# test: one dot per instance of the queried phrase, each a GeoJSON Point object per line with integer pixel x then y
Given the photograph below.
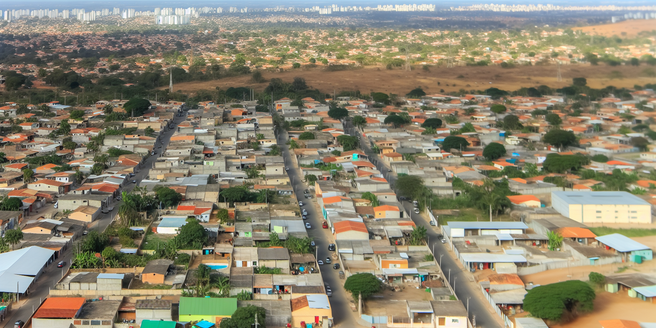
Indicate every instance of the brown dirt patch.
{"type": "Point", "coordinates": [630, 27]}
{"type": "Point", "coordinates": [400, 82]}
{"type": "Point", "coordinates": [613, 306]}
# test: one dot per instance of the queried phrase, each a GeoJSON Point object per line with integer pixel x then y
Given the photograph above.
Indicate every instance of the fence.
{"type": "Point", "coordinates": [496, 308]}
{"type": "Point", "coordinates": [565, 264]}
{"type": "Point", "coordinates": [374, 319]}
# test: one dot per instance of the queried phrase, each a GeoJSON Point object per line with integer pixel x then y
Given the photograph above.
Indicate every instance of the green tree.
{"type": "Point", "coordinates": [28, 174]}
{"type": "Point", "coordinates": [416, 93]}
{"type": "Point", "coordinates": [192, 235]}
{"type": "Point", "coordinates": [244, 317]}
{"type": "Point", "coordinates": [337, 113]}
{"type": "Point", "coordinates": [418, 236]}
{"type": "Point", "coordinates": [69, 144]}
{"type": "Point", "coordinates": [362, 284]}
{"type": "Point", "coordinates": [167, 196]}
{"type": "Point", "coordinates": [380, 97]}
{"type": "Point", "coordinates": [563, 163]}
{"type": "Point", "coordinates": [11, 204]}
{"type": "Point", "coordinates": [640, 143]}
{"type": "Point", "coordinates": [311, 179]}
{"type": "Point", "coordinates": [222, 215]}
{"type": "Point", "coordinates": [108, 109]}
{"type": "Point", "coordinates": [511, 122]}
{"type": "Point", "coordinates": [432, 123]}
{"type": "Point", "coordinates": [553, 301]}
{"type": "Point", "coordinates": [372, 198]}
{"type": "Point", "coordinates": [555, 240]}
{"type": "Point", "coordinates": [252, 172]}
{"type": "Point", "coordinates": [600, 158]}
{"type": "Point", "coordinates": [395, 120]}
{"type": "Point", "coordinates": [597, 278]}
{"type": "Point", "coordinates": [348, 142]}
{"type": "Point", "coordinates": [410, 186]}
{"type": "Point", "coordinates": [560, 138]}
{"type": "Point", "coordinates": [136, 106]}
{"type": "Point", "coordinates": [64, 128]}
{"type": "Point", "coordinates": [95, 242]}
{"type": "Point", "coordinates": [454, 142]}
{"type": "Point", "coordinates": [76, 114]}
{"type": "Point", "coordinates": [359, 121]}
{"type": "Point", "coordinates": [494, 151]}
{"type": "Point", "coordinates": [554, 119]}
{"type": "Point", "coordinates": [306, 136]}
{"type": "Point", "coordinates": [579, 81]}
{"type": "Point", "coordinates": [498, 108]}
{"type": "Point", "coordinates": [149, 131]}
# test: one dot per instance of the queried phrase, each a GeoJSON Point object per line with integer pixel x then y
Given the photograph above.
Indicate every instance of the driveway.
{"type": "Point", "coordinates": [477, 307]}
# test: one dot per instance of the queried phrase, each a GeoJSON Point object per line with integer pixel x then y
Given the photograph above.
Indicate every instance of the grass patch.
{"type": "Point", "coordinates": [621, 269]}
{"type": "Point", "coordinates": [471, 214]}
{"type": "Point", "coordinates": [159, 286]}
{"type": "Point", "coordinates": [602, 231]}
{"type": "Point", "coordinates": [152, 241]}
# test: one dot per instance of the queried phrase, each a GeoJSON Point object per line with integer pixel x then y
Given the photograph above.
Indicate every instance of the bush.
{"type": "Point", "coordinates": [597, 278]}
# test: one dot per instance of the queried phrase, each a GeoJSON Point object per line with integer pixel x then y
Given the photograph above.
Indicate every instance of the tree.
{"type": "Point", "coordinates": [597, 278]}
{"type": "Point", "coordinates": [395, 120]}
{"type": "Point", "coordinates": [69, 144]}
{"type": "Point", "coordinates": [555, 240]}
{"type": "Point", "coordinates": [380, 97]}
{"type": "Point", "coordinates": [409, 186]}
{"type": "Point", "coordinates": [563, 163]}
{"type": "Point", "coordinates": [359, 121]}
{"type": "Point", "coordinates": [108, 109]}
{"type": "Point", "coordinates": [635, 62]}
{"type": "Point", "coordinates": [416, 93]}
{"type": "Point", "coordinates": [234, 194]}
{"type": "Point", "coordinates": [418, 236]}
{"type": "Point", "coordinates": [600, 158]}
{"type": "Point", "coordinates": [306, 136]}
{"type": "Point", "coordinates": [192, 235]}
{"type": "Point", "coordinates": [554, 119]}
{"type": "Point", "coordinates": [372, 198]}
{"type": "Point", "coordinates": [454, 142]}
{"type": "Point", "coordinates": [311, 179]}
{"type": "Point", "coordinates": [76, 114]}
{"type": "Point", "coordinates": [362, 284]}
{"type": "Point", "coordinates": [167, 196]}
{"type": "Point", "coordinates": [348, 142]}
{"type": "Point", "coordinates": [95, 242]}
{"type": "Point", "coordinates": [553, 301]}
{"type": "Point", "coordinates": [299, 84]}
{"type": "Point", "coordinates": [64, 128]}
{"type": "Point", "coordinates": [244, 317]}
{"type": "Point", "coordinates": [511, 122]}
{"type": "Point", "coordinates": [494, 151]}
{"type": "Point", "coordinates": [136, 106]}
{"type": "Point", "coordinates": [252, 172]}
{"type": "Point", "coordinates": [11, 204]}
{"type": "Point", "coordinates": [149, 131]}
{"type": "Point", "coordinates": [560, 138]}
{"type": "Point", "coordinates": [498, 108]}
{"type": "Point", "coordinates": [28, 174]}
{"type": "Point", "coordinates": [296, 65]}
{"type": "Point", "coordinates": [432, 123]}
{"type": "Point", "coordinates": [337, 113]}
{"type": "Point", "coordinates": [579, 82]}
{"type": "Point", "coordinates": [223, 215]}
{"type": "Point", "coordinates": [640, 143]}
{"type": "Point", "coordinates": [13, 236]}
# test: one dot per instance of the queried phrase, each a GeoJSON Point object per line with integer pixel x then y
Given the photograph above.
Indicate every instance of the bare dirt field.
{"type": "Point", "coordinates": [581, 272]}
{"type": "Point", "coordinates": [613, 306]}
{"type": "Point", "coordinates": [631, 28]}
{"type": "Point", "coordinates": [451, 79]}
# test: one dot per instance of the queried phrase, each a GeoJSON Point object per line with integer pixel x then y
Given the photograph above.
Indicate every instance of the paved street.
{"type": "Point", "coordinates": [463, 290]}
{"type": "Point", "coordinates": [41, 288]}
{"type": "Point", "coordinates": [342, 313]}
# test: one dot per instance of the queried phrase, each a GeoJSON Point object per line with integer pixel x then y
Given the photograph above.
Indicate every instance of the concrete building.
{"type": "Point", "coordinates": [155, 271]}
{"type": "Point", "coordinates": [153, 310]}
{"type": "Point", "coordinates": [85, 214]}
{"type": "Point", "coordinates": [19, 268]}
{"type": "Point", "coordinates": [602, 207]}
{"type": "Point", "coordinates": [630, 249]}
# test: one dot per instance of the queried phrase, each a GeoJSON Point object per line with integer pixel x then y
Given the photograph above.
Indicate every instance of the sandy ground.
{"type": "Point", "coordinates": [451, 79]}
{"type": "Point", "coordinates": [613, 306]}
{"type": "Point", "coordinates": [631, 28]}
{"type": "Point", "coordinates": [581, 272]}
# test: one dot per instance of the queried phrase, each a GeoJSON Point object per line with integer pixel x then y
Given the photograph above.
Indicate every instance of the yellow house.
{"type": "Point", "coordinates": [386, 211]}
{"type": "Point", "coordinates": [85, 214]}
{"type": "Point", "coordinates": [312, 308]}
{"type": "Point", "coordinates": [397, 263]}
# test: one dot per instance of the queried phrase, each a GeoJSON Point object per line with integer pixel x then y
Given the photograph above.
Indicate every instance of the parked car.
{"type": "Point", "coordinates": [320, 262]}
{"type": "Point", "coordinates": [416, 210]}
{"type": "Point", "coordinates": [442, 241]}
{"type": "Point", "coordinates": [300, 203]}
{"type": "Point", "coordinates": [324, 225]}
{"type": "Point", "coordinates": [433, 223]}
{"type": "Point", "coordinates": [304, 217]}
{"type": "Point", "coordinates": [341, 274]}
{"type": "Point", "coordinates": [331, 247]}
{"type": "Point", "coordinates": [85, 232]}
{"type": "Point", "coordinates": [336, 266]}
{"type": "Point", "coordinates": [329, 293]}
{"type": "Point", "coordinates": [308, 225]}
{"type": "Point", "coordinates": [328, 261]}
{"type": "Point", "coordinates": [313, 244]}
{"type": "Point", "coordinates": [60, 264]}
{"type": "Point", "coordinates": [286, 168]}
{"type": "Point", "coordinates": [56, 204]}
{"type": "Point", "coordinates": [19, 324]}
{"type": "Point", "coordinates": [134, 181]}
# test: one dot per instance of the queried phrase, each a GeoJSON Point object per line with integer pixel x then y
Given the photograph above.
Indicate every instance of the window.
{"type": "Point", "coordinates": [598, 217]}
{"type": "Point", "coordinates": [441, 321]}
{"type": "Point", "coordinates": [598, 211]}
{"type": "Point", "coordinates": [95, 322]}
{"type": "Point", "coordinates": [85, 322]}
{"type": "Point", "coordinates": [107, 323]}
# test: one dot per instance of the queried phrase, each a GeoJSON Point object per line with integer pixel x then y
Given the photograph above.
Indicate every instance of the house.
{"type": "Point", "coordinates": [155, 271]}
{"type": "Point", "coordinates": [71, 201]}
{"type": "Point", "coordinates": [311, 308]}
{"type": "Point", "coordinates": [620, 323]}
{"type": "Point", "coordinates": [577, 234]}
{"type": "Point", "coordinates": [85, 214]}
{"type": "Point", "coordinates": [208, 309]}
{"type": "Point", "coordinates": [387, 212]}
{"type": "Point", "coordinates": [56, 310]}
{"type": "Point", "coordinates": [602, 207]}
{"type": "Point", "coordinates": [47, 185]}
{"type": "Point", "coordinates": [350, 230]}
{"type": "Point", "coordinates": [451, 314]}
{"type": "Point", "coordinates": [274, 258]}
{"type": "Point", "coordinates": [629, 249]}
{"type": "Point", "coordinates": [153, 310]}
{"type": "Point", "coordinates": [525, 200]}
{"type": "Point", "coordinates": [531, 323]}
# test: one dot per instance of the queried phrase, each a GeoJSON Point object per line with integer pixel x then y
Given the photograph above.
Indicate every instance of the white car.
{"type": "Point", "coordinates": [300, 203]}
{"type": "Point", "coordinates": [307, 225]}
{"type": "Point", "coordinates": [416, 210]}
{"type": "Point", "coordinates": [320, 262]}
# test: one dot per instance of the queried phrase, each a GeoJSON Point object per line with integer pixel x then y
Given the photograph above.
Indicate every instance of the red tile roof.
{"type": "Point", "coordinates": [344, 226]}
{"type": "Point", "coordinates": [60, 307]}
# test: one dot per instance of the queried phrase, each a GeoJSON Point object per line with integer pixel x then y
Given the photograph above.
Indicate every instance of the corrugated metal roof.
{"type": "Point", "coordinates": [646, 291]}
{"type": "Point", "coordinates": [207, 306]}
{"type": "Point", "coordinates": [492, 258]}
{"type": "Point", "coordinates": [18, 268]}
{"type": "Point", "coordinates": [621, 243]}
{"type": "Point", "coordinates": [157, 324]}
{"type": "Point", "coordinates": [487, 225]}
{"type": "Point", "coordinates": [598, 198]}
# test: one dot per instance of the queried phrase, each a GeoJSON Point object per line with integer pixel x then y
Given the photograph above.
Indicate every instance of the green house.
{"type": "Point", "coordinates": [157, 324]}
{"type": "Point", "coordinates": [208, 309]}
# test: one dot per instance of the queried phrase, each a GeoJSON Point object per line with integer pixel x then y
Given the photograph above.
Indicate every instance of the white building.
{"type": "Point", "coordinates": [601, 207]}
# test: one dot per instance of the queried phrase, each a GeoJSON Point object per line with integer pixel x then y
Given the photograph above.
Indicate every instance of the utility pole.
{"type": "Point", "coordinates": [171, 80]}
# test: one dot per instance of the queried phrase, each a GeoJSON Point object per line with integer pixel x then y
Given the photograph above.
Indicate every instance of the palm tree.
{"type": "Point", "coordinates": [492, 200]}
